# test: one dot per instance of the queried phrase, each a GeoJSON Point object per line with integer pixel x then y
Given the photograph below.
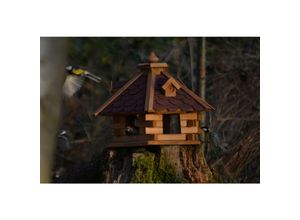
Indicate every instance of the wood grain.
{"type": "Point", "coordinates": [153, 130]}
{"type": "Point", "coordinates": [170, 137]}
{"type": "Point", "coordinates": [189, 116]}
{"type": "Point", "coordinates": [153, 117]}
{"type": "Point", "coordinates": [190, 130]}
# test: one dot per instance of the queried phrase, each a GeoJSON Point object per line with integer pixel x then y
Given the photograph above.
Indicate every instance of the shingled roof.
{"type": "Point", "coordinates": [145, 93]}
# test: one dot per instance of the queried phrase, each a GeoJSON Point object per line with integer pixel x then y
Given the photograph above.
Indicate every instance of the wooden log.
{"type": "Point", "coordinates": [192, 137]}
{"type": "Point", "coordinates": [191, 123]}
{"type": "Point", "coordinates": [189, 137]}
{"type": "Point", "coordinates": [189, 116]}
{"type": "Point", "coordinates": [153, 117]}
{"type": "Point", "coordinates": [190, 130]}
{"type": "Point", "coordinates": [153, 130]}
{"type": "Point", "coordinates": [173, 143]}
{"type": "Point", "coordinates": [128, 144]}
{"type": "Point", "coordinates": [152, 143]}
{"type": "Point", "coordinates": [183, 123]}
{"type": "Point", "coordinates": [158, 124]}
{"type": "Point", "coordinates": [174, 137]}
{"type": "Point", "coordinates": [132, 138]}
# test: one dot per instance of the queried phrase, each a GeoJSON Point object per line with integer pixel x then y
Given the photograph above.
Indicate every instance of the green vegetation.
{"type": "Point", "coordinates": [151, 168]}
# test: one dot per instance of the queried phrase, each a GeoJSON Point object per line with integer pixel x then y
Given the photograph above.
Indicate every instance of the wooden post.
{"type": "Point", "coordinates": [191, 50]}
{"type": "Point", "coordinates": [202, 88]}
{"type": "Point", "coordinates": [203, 76]}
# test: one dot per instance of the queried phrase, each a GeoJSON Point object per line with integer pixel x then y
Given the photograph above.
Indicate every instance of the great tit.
{"type": "Point", "coordinates": [75, 79]}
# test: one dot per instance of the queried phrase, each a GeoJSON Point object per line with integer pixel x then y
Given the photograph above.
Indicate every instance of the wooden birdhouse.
{"type": "Point", "coordinates": [154, 108]}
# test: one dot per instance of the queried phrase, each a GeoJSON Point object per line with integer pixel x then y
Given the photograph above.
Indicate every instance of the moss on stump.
{"type": "Point", "coordinates": [165, 164]}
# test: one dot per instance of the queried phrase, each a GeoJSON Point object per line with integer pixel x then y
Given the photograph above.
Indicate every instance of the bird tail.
{"type": "Point", "coordinates": [93, 77]}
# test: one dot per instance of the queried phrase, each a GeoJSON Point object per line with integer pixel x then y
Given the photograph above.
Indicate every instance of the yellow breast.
{"type": "Point", "coordinates": [78, 71]}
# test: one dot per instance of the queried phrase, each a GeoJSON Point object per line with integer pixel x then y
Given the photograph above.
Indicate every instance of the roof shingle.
{"type": "Point", "coordinates": [132, 99]}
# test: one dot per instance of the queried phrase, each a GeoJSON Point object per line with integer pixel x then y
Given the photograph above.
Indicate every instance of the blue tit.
{"type": "Point", "coordinates": [130, 130]}
{"type": "Point", "coordinates": [205, 129]}
{"type": "Point", "coordinates": [75, 79]}
{"type": "Point", "coordinates": [64, 140]}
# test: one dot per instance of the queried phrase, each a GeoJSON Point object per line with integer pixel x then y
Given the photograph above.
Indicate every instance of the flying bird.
{"type": "Point", "coordinates": [75, 79]}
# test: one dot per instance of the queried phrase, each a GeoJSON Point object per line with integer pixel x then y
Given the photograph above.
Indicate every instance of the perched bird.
{"type": "Point", "coordinates": [212, 138]}
{"type": "Point", "coordinates": [75, 79]}
{"type": "Point", "coordinates": [64, 140]}
{"type": "Point", "coordinates": [129, 130]}
{"type": "Point", "coordinates": [205, 129]}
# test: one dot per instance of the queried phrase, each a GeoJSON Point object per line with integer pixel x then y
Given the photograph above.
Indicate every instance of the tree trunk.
{"type": "Point", "coordinates": [53, 58]}
{"type": "Point", "coordinates": [166, 164]}
{"type": "Point", "coordinates": [203, 77]}
{"type": "Point", "coordinates": [191, 49]}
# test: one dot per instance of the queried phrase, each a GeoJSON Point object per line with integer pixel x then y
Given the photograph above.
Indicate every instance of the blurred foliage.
{"type": "Point", "coordinates": [232, 83]}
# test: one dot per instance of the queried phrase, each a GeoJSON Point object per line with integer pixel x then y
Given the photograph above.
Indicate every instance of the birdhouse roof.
{"type": "Point", "coordinates": [145, 93]}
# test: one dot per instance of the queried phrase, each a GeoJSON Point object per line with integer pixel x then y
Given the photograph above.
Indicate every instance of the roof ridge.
{"type": "Point", "coordinates": [149, 99]}
{"type": "Point", "coordinates": [117, 93]}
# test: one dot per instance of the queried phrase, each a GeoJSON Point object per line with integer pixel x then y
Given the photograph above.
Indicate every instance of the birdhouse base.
{"type": "Point", "coordinates": [152, 143]}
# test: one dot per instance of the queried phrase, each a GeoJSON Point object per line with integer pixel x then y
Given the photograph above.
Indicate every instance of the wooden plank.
{"type": "Point", "coordinates": [197, 124]}
{"type": "Point", "coordinates": [155, 65]}
{"type": "Point", "coordinates": [192, 137]}
{"type": "Point", "coordinates": [190, 130]}
{"type": "Point", "coordinates": [148, 87]}
{"type": "Point", "coordinates": [189, 116]}
{"type": "Point", "coordinates": [174, 137]}
{"type": "Point", "coordinates": [129, 144]}
{"type": "Point", "coordinates": [158, 124]}
{"type": "Point", "coordinates": [192, 123]}
{"type": "Point", "coordinates": [150, 92]}
{"type": "Point", "coordinates": [153, 117]}
{"type": "Point", "coordinates": [162, 143]}
{"type": "Point", "coordinates": [153, 143]}
{"type": "Point", "coordinates": [153, 130]}
{"type": "Point", "coordinates": [132, 138]}
{"type": "Point", "coordinates": [183, 123]}
{"type": "Point", "coordinates": [152, 65]}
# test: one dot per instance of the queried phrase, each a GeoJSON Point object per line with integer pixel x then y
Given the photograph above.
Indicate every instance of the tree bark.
{"type": "Point", "coordinates": [191, 49]}
{"type": "Point", "coordinates": [203, 77]}
{"type": "Point", "coordinates": [53, 58]}
{"type": "Point", "coordinates": [165, 164]}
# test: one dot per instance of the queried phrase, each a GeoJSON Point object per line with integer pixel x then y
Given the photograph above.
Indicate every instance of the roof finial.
{"type": "Point", "coordinates": [153, 58]}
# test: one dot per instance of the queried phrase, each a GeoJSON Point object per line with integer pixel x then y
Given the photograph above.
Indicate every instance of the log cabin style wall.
{"type": "Point", "coordinates": [149, 130]}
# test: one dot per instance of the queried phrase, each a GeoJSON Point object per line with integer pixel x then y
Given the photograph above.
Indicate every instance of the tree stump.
{"type": "Point", "coordinates": [165, 164]}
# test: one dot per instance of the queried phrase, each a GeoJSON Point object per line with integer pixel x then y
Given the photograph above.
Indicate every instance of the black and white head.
{"type": "Point", "coordinates": [69, 68]}
{"type": "Point", "coordinates": [205, 129]}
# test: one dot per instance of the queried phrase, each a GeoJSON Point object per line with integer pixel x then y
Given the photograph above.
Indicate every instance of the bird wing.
{"type": "Point", "coordinates": [93, 77]}
{"type": "Point", "coordinates": [72, 84]}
